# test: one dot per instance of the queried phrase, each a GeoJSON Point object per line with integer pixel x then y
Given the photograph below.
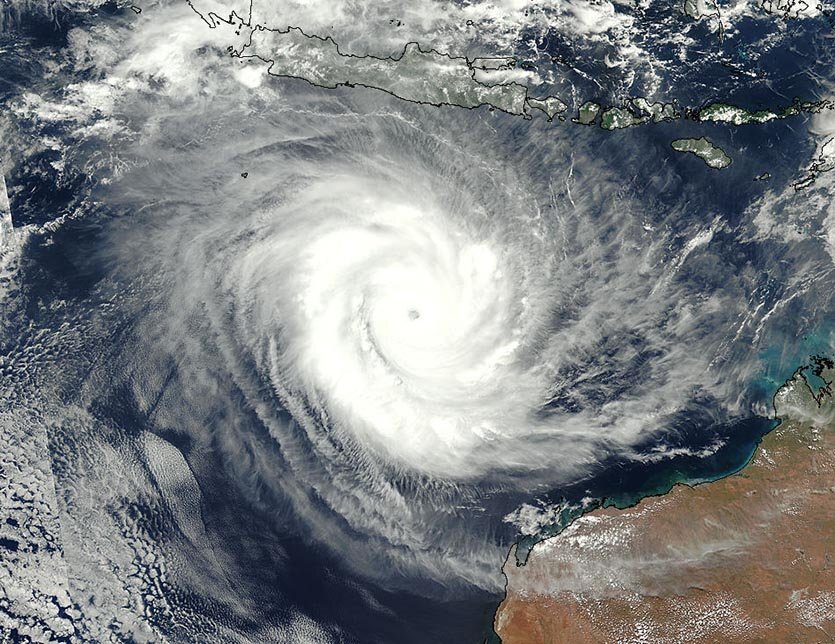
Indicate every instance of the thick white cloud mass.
{"type": "Point", "coordinates": [382, 325]}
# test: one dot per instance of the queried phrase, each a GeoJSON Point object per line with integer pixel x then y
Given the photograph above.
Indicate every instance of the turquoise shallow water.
{"type": "Point", "coordinates": [779, 362]}
{"type": "Point", "coordinates": [624, 484]}
{"type": "Point", "coordinates": [285, 551]}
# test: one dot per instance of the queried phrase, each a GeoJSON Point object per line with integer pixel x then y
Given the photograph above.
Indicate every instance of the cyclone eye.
{"type": "Point", "coordinates": [399, 318]}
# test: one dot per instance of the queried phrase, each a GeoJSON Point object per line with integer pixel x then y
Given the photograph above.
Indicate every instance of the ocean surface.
{"type": "Point", "coordinates": [210, 354]}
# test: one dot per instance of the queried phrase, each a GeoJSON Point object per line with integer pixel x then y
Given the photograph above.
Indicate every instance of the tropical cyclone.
{"type": "Point", "coordinates": [746, 558]}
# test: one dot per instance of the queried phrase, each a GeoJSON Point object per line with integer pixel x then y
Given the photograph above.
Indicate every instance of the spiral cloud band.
{"type": "Point", "coordinates": [403, 326]}
{"type": "Point", "coordinates": [417, 328]}
{"type": "Point", "coordinates": [405, 318]}
{"type": "Point", "coordinates": [390, 327]}
{"type": "Point", "coordinates": [300, 360]}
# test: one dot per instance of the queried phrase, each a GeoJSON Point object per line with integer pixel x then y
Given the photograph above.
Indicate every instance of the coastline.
{"type": "Point", "coordinates": [790, 402]}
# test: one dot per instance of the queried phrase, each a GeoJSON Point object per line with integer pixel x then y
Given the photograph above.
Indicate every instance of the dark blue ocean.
{"type": "Point", "coordinates": [97, 277]}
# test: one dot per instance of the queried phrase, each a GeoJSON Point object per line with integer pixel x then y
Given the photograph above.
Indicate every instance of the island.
{"type": "Point", "coordinates": [736, 115]}
{"type": "Point", "coordinates": [658, 112]}
{"type": "Point", "coordinates": [416, 75]}
{"type": "Point", "coordinates": [790, 9]}
{"type": "Point", "coordinates": [616, 118]}
{"type": "Point", "coordinates": [747, 558]}
{"type": "Point", "coordinates": [429, 77]}
{"type": "Point", "coordinates": [587, 113]}
{"type": "Point", "coordinates": [712, 155]}
{"type": "Point", "coordinates": [635, 112]}
{"type": "Point", "coordinates": [552, 106]}
{"type": "Point", "coordinates": [7, 235]}
{"type": "Point", "coordinates": [823, 162]}
{"type": "Point", "coordinates": [698, 9]}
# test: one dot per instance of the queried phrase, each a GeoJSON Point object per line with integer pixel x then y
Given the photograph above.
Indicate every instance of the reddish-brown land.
{"type": "Point", "coordinates": [748, 558]}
